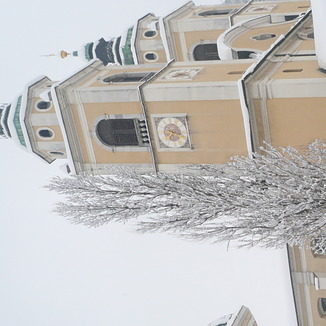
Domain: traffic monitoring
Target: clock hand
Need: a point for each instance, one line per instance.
(179, 135)
(169, 136)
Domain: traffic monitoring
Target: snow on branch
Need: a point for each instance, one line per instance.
(273, 199)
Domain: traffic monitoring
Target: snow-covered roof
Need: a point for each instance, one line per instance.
(134, 37)
(4, 119)
(164, 39)
(14, 123)
(23, 109)
(225, 39)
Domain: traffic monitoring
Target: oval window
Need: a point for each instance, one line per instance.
(263, 37)
(46, 133)
(151, 56)
(43, 105)
(150, 33)
(215, 12)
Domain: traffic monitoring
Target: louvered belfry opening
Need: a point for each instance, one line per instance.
(206, 52)
(117, 132)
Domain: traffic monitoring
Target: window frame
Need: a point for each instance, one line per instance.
(142, 147)
(151, 53)
(150, 31)
(43, 110)
(322, 307)
(45, 137)
(110, 134)
(143, 76)
(208, 43)
(266, 36)
(216, 12)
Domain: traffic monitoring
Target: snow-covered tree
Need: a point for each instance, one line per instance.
(273, 199)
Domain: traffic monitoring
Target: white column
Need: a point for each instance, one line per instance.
(319, 14)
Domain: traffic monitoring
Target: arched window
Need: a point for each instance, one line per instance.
(117, 132)
(43, 105)
(215, 12)
(206, 52)
(150, 33)
(263, 37)
(151, 56)
(46, 133)
(129, 77)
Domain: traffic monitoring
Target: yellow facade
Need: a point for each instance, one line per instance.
(307, 272)
(182, 109)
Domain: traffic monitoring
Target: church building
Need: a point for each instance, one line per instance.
(199, 86)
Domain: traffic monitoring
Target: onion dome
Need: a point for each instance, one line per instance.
(102, 50)
(114, 50)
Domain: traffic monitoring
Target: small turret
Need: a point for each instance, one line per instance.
(3, 106)
(106, 51)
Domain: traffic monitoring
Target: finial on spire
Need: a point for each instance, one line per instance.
(62, 54)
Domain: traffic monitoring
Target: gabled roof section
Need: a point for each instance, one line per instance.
(16, 117)
(281, 41)
(135, 36)
(168, 35)
(64, 114)
(26, 107)
(253, 73)
(224, 41)
(179, 11)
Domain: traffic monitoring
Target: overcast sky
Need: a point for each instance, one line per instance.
(55, 273)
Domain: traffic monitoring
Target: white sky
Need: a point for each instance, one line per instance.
(55, 273)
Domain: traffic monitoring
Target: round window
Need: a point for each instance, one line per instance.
(43, 105)
(151, 56)
(45, 133)
(150, 33)
(263, 37)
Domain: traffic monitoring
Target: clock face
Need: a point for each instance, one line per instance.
(172, 132)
